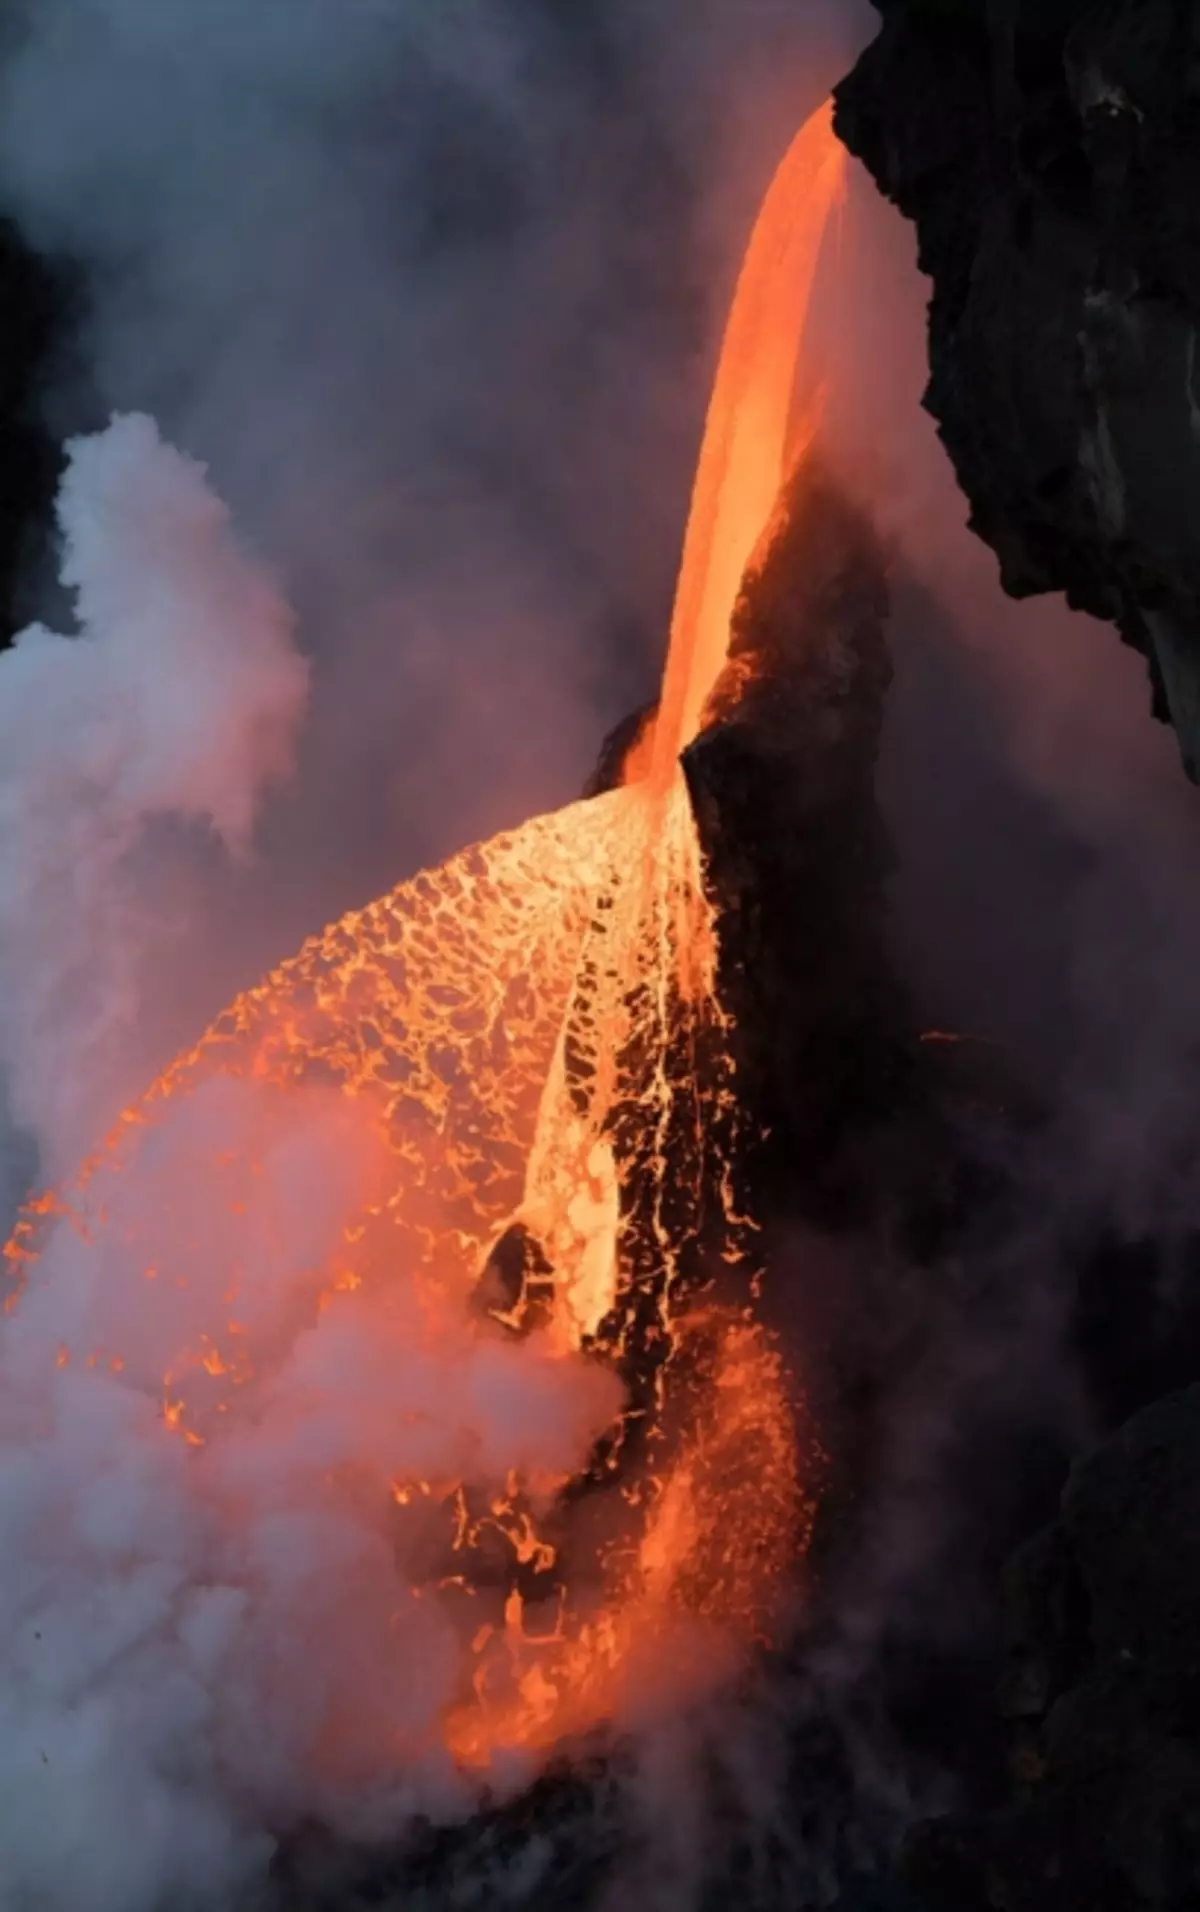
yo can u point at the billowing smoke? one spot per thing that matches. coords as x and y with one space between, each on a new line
202 1645
180 697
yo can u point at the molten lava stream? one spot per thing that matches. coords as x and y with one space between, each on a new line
503 1097
742 460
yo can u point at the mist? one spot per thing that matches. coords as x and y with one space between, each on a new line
179 697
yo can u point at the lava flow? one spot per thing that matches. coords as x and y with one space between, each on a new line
507 1086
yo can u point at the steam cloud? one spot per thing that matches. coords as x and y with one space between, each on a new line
198 1646
180 697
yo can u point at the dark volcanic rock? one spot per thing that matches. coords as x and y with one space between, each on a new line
783 785
1049 154
1103 1688
615 750
1130 1524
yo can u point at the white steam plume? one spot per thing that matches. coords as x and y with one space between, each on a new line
180 697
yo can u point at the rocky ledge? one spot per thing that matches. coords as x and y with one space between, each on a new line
1048 152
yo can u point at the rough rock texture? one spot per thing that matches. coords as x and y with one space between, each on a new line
783 784
782 780
1103 1691
1049 154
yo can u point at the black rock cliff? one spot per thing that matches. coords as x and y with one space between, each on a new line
1048 152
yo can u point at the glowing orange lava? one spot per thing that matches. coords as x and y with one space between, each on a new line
533 1062
743 458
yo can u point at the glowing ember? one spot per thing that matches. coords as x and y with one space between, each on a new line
510 1079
